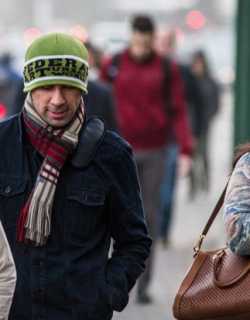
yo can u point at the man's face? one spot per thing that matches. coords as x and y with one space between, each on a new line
56 104
141 45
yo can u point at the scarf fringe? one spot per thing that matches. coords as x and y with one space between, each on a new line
38 223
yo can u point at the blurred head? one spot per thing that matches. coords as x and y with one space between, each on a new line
95 55
142 39
55 74
6 59
166 42
199 64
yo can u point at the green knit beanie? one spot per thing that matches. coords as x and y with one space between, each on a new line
56 58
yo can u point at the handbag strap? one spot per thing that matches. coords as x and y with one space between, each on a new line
210 221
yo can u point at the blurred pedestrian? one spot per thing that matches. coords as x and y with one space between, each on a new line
70 188
207 93
148 98
166 45
11 86
99 101
7 276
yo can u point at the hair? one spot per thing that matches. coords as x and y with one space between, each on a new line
95 52
89 46
142 23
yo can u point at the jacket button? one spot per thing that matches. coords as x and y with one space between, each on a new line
7 189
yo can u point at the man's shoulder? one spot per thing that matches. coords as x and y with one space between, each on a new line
111 66
9 122
9 132
116 57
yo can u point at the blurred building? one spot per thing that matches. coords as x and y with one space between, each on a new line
29 13
204 23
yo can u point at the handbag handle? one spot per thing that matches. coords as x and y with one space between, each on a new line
217 262
210 221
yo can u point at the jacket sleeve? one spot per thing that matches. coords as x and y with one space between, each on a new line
128 229
7 276
180 118
237 207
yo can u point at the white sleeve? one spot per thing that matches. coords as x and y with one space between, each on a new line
7 276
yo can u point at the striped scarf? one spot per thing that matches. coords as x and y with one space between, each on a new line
34 223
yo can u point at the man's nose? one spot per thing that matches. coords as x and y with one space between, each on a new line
57 97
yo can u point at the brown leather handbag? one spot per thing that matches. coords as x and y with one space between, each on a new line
217 286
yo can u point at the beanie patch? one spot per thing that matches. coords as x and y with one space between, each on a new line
67 69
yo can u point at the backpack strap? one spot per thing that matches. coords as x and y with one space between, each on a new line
90 137
113 68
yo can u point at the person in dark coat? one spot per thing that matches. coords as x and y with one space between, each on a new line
99 100
206 100
70 188
11 86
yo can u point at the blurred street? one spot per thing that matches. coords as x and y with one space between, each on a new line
190 217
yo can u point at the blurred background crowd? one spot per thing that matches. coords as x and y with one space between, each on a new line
195 40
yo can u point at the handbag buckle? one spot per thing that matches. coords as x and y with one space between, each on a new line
198 245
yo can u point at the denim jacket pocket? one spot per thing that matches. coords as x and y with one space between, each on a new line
85 208
12 197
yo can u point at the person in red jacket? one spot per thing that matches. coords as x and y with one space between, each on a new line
150 108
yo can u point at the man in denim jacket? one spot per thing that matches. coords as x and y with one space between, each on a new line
67 187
